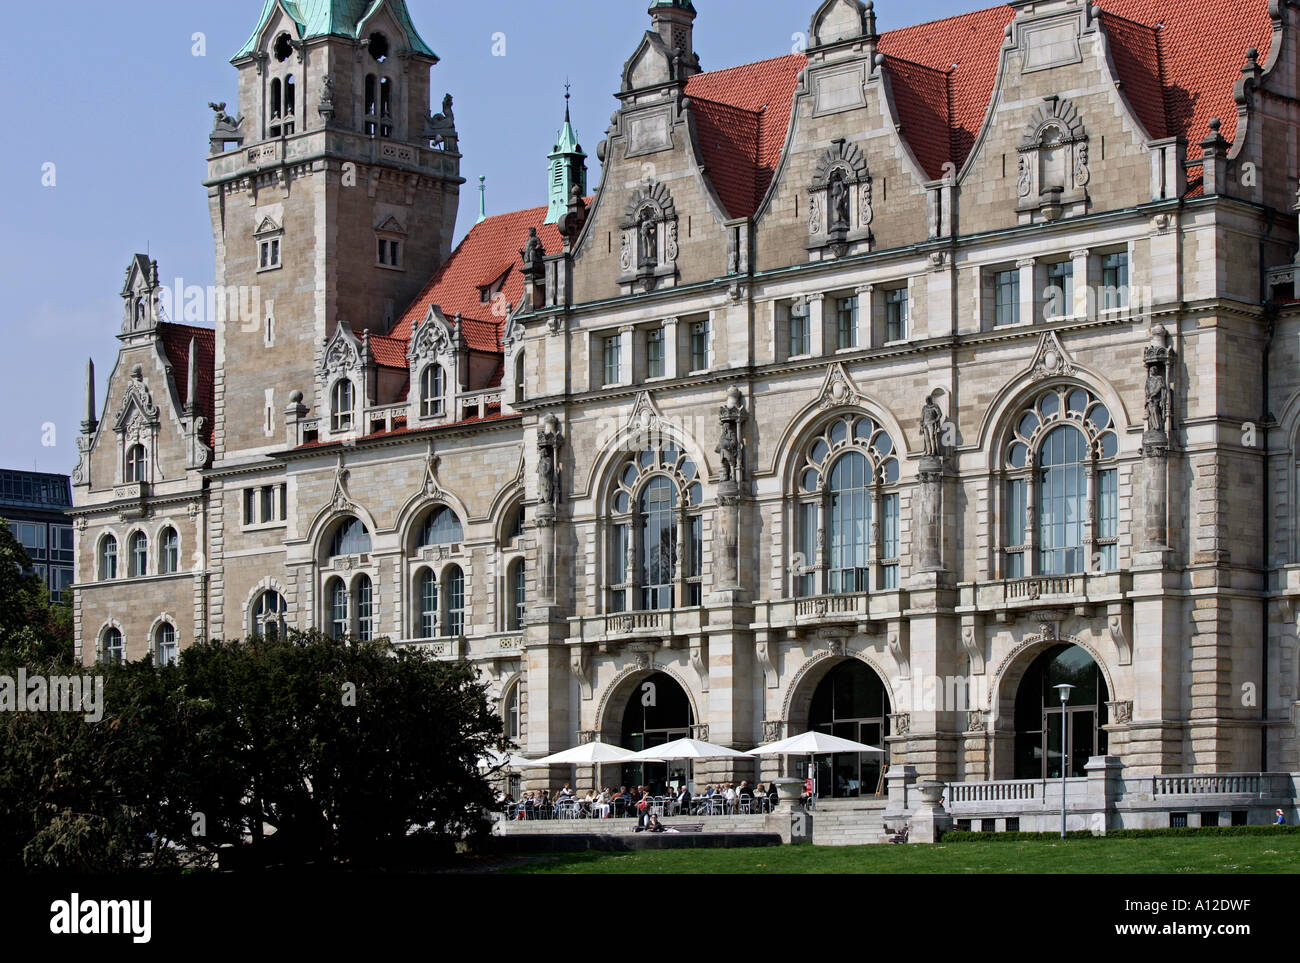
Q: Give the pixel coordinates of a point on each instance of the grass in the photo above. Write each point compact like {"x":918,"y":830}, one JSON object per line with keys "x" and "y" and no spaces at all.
{"x":1226,"y":855}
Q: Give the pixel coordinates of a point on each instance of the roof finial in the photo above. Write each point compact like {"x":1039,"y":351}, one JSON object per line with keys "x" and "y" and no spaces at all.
{"x":482,"y":199}
{"x":566,"y":100}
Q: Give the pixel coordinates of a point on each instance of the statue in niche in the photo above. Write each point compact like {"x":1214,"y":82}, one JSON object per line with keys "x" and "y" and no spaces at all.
{"x":1157,"y":397}
{"x":732,"y":416}
{"x":548,"y":441}
{"x":932,"y":428}
{"x":648,"y":229}
{"x":839,"y":198}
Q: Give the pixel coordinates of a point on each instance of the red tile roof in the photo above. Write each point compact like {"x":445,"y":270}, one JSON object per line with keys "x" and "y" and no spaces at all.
{"x":388,"y":351}
{"x":742,"y":116}
{"x":400,"y":428}
{"x":176,"y":346}
{"x":489,"y":252}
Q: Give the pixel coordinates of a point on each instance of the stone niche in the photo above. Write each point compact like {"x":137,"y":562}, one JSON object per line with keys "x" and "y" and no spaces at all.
{"x":1052,"y":175}
{"x":840,"y":205}
{"x":648,"y":246}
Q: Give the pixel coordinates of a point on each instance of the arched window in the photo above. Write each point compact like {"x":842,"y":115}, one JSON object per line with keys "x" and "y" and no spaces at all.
{"x":432,"y":391}
{"x":385,"y":107}
{"x":1039,"y":714}
{"x":453,"y":622}
{"x":519,"y":374}
{"x":169,"y":552}
{"x":114,"y":649}
{"x":850,"y":702}
{"x":515,"y":529}
{"x":350,"y":538}
{"x":135,"y":464}
{"x":511,"y":713}
{"x":371,"y":104}
{"x":364,"y":593}
{"x":164,"y":644}
{"x":655,"y":539}
{"x":276,"y":109}
{"x":518,"y":597}
{"x":1061,"y":493}
{"x":268,"y":614}
{"x":342,"y":401}
{"x":442,"y":527}
{"x":336,"y":594}
{"x":846,"y":511}
{"x":108,"y":557}
{"x":428,"y":590}
{"x":139,"y":555}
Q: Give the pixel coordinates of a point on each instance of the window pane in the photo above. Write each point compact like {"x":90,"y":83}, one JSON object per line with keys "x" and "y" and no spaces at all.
{"x":850,"y":523}
{"x":1061,"y":506}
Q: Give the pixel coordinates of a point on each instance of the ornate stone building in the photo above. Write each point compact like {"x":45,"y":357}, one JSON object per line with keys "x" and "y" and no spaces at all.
{"x":878,"y":388}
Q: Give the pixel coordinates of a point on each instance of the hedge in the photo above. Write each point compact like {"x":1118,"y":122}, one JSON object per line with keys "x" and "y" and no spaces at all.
{"x":963,"y":836}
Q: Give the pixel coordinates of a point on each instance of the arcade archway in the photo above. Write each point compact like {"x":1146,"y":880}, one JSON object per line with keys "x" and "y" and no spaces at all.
{"x":1039,"y":714}
{"x":658,"y":711}
{"x":851,"y":702}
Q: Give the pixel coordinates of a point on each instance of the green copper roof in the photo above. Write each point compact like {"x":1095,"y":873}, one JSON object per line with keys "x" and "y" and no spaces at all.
{"x":334,"y":18}
{"x":568,"y":167}
{"x":679,"y":4}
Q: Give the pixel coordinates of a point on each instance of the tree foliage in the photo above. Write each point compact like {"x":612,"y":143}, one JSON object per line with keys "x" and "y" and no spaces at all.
{"x":291,"y":750}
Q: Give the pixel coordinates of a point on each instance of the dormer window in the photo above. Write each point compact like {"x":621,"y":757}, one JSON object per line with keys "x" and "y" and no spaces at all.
{"x":135,"y":465}
{"x":390,"y":253}
{"x":433,"y":389}
{"x":342,"y":400}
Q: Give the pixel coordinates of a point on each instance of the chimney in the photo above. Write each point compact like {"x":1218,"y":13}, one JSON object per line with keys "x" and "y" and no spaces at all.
{"x":672,"y":20}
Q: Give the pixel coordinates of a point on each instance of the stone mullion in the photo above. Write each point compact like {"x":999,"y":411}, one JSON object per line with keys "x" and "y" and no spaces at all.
{"x":1090,"y":516}
{"x":1031,"y":522}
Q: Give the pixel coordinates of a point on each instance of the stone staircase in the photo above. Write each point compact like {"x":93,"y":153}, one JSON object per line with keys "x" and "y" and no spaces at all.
{"x":849,"y":823}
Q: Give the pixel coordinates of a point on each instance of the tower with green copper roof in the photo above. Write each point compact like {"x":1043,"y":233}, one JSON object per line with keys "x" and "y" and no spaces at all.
{"x":568,"y":168}
{"x":333,"y":187}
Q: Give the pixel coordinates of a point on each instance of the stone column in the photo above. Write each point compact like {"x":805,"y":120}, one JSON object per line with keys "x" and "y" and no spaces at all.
{"x":929,"y":515}
{"x":1155,"y":445}
{"x":549,"y":441}
{"x":1081,"y":288}
{"x":816,"y":324}
{"x":1028,"y":290}
{"x":672,"y":349}
{"x":732,"y":416}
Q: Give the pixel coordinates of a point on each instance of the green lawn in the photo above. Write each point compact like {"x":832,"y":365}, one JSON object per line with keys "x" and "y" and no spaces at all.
{"x":1225,"y":854}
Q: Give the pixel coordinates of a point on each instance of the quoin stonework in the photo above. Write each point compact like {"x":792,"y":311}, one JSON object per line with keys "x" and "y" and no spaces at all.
{"x":877,"y":388}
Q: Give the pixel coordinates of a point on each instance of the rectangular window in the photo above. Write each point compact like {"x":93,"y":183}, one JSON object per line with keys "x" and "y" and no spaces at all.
{"x":800,"y":339}
{"x":1015,"y":530}
{"x":268,"y":507}
{"x":456,"y":606}
{"x":1114,"y":281}
{"x":613,"y":359}
{"x":1108,"y":520}
{"x":250,"y":505}
{"x":1006,"y":298}
{"x":269,"y":254}
{"x":700,"y":346}
{"x":60,"y":583}
{"x":889,"y":541}
{"x":695,"y":560}
{"x":1060,"y":290}
{"x":654,"y":353}
{"x":806,"y":554}
{"x":61,"y":543}
{"x":896,"y":315}
{"x":284,"y":502}
{"x":617,"y":568}
{"x":846,"y":323}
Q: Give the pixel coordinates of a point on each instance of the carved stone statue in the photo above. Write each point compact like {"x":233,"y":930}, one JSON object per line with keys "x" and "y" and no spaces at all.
{"x":1023,"y":184}
{"x":932,"y":428}
{"x":649,"y":233}
{"x":732,"y":416}
{"x":1156,"y":358}
{"x":548,"y":443}
{"x":441,"y":128}
{"x":533,"y":253}
{"x":839,"y":197}
{"x":225,"y":129}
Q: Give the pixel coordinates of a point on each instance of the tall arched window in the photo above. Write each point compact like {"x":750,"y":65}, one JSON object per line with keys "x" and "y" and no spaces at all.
{"x":135,"y":464}
{"x":428,"y":590}
{"x":655,"y":543}
{"x":442,"y":527}
{"x":342,"y":402}
{"x":511,"y":713}
{"x":350,"y":538}
{"x":432,"y":391}
{"x":518,"y":598}
{"x":846,"y":510}
{"x":1062,"y":491}
{"x":371,"y":104}
{"x":364,"y":594}
{"x":337,"y":595}
{"x":169,"y":552}
{"x":108,"y":557}
{"x":454,"y":600}
{"x":268,"y":614}
{"x":164,"y":644}
{"x":114,"y":649}
{"x":139,"y":555}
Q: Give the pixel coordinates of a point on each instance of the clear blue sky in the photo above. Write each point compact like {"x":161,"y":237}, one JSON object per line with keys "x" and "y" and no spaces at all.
{"x":114,"y":97}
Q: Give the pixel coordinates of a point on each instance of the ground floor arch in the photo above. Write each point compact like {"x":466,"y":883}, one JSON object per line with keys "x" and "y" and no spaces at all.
{"x":847,"y":698}
{"x":1040,"y":718}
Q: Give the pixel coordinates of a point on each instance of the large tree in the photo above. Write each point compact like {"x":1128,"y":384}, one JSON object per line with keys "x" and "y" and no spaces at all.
{"x":30,"y":627}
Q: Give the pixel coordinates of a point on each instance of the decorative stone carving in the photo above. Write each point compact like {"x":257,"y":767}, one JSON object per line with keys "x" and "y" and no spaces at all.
{"x":700,"y":732}
{"x":1156,"y":358}
{"x":1052,"y":168}
{"x":976,"y":721}
{"x":587,"y":736}
{"x":840,"y":208}
{"x":580,"y":667}
{"x":440,"y":129}
{"x":932,"y":428}
{"x":549,"y":440}
{"x":341,"y":500}
{"x":1051,"y":359}
{"x":732,"y":416}
{"x":430,"y":487}
{"x":972,"y":645}
{"x":838,"y":390}
{"x":773,"y":730}
{"x":700,"y":662}
{"x":765,"y":652}
{"x":625,"y":253}
{"x":648,"y":248}
{"x":137,"y":410}
{"x":225,"y":129}
{"x":1121,"y":713}
{"x":326,"y":106}
{"x":532,"y":254}
{"x":900,"y":723}
{"x":898,"y":648}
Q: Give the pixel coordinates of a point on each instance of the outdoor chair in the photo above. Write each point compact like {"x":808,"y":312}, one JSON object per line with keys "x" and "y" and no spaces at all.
{"x":745,"y":804}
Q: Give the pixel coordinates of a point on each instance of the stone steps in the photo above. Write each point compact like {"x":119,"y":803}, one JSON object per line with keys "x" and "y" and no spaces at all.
{"x":849,"y":827}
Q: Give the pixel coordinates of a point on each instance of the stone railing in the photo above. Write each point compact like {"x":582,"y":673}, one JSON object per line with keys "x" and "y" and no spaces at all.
{"x":973,"y":792}
{"x":1265,"y":784}
{"x":828,"y":609}
{"x":822,"y":605}
{"x":1045,"y":586}
{"x":656,"y":623}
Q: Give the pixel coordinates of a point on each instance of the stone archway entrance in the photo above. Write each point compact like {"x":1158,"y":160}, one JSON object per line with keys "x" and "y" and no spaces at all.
{"x":1039,"y":715}
{"x":658,"y":711}
{"x":850,"y":701}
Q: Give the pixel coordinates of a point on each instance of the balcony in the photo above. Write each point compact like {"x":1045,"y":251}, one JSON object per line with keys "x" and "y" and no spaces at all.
{"x":1046,"y":591}
{"x":828,"y":610}
{"x":630,"y":626}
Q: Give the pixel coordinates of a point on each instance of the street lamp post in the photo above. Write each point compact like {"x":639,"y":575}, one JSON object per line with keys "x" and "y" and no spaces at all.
{"x":1064,"y":689}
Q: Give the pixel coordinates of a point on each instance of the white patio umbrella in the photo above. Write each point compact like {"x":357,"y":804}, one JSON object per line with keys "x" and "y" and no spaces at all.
{"x":589,"y":754}
{"x":498,"y":760}
{"x":690,"y":749}
{"x":812,"y":744}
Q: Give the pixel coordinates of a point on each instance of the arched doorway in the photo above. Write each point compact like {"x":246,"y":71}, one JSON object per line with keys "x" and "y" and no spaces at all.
{"x":1039,"y":714}
{"x":850,"y":702}
{"x":658,"y":711}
